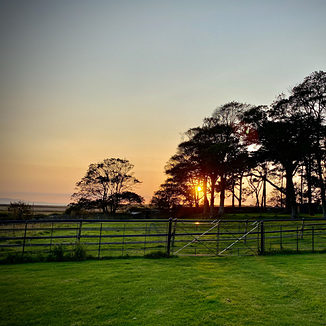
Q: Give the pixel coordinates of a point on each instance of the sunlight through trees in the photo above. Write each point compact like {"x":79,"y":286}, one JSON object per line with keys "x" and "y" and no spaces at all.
{"x":241,"y":148}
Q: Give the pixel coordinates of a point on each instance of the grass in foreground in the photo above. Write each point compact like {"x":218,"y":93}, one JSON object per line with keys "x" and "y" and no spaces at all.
{"x":264,"y":290}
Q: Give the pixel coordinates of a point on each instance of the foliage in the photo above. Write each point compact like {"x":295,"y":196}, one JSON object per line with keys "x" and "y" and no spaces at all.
{"x":5,"y":215}
{"x":106,"y":185}
{"x":158,"y":254}
{"x":57,"y":253}
{"x":211,"y":157}
{"x":276,"y":200}
{"x":79,"y":252}
{"x":263,"y":144}
{"x":20,"y":210}
{"x":172,"y":195}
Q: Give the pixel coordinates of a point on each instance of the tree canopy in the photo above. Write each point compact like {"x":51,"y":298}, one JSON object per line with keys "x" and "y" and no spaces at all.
{"x":107,"y":185}
{"x":262,"y":144}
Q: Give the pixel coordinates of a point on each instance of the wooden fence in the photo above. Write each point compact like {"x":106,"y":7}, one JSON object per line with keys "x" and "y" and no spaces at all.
{"x":111,"y":238}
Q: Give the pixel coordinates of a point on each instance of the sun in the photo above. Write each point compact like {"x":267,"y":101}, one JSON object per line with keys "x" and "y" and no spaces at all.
{"x":198,"y":188}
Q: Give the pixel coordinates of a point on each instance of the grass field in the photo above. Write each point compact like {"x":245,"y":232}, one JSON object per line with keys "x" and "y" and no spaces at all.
{"x":37,"y":239}
{"x":259,"y":290}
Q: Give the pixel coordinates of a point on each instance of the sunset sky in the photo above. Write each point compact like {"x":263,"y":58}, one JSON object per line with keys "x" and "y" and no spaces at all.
{"x":86,"y":80}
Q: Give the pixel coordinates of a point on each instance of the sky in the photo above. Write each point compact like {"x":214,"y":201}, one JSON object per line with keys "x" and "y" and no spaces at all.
{"x":82,"y":81}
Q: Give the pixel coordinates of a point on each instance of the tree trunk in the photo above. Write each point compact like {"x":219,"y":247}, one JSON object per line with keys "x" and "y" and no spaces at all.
{"x":281,"y":192}
{"x":319,"y":168}
{"x":233,"y":195}
{"x":321,"y":184}
{"x":307,"y":162}
{"x":264,"y":195}
{"x":222,"y":195}
{"x":291,"y":205}
{"x":205,"y":196}
{"x":213,"y":181}
{"x":240,"y":190}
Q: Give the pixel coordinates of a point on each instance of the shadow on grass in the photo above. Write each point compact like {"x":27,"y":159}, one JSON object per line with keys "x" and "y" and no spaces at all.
{"x":60,"y":254}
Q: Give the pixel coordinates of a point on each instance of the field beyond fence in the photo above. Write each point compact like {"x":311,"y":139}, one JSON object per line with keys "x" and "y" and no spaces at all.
{"x":112,"y":238}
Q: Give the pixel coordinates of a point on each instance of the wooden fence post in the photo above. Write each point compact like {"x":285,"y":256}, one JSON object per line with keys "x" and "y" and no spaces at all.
{"x":262,"y":238}
{"x":302,"y":229}
{"x":169,"y":237}
{"x":99,"y":243}
{"x":24,"y":239}
{"x":173,"y":233}
{"x":51,"y":236}
{"x":246,"y":230}
{"x":297,"y":238}
{"x":79,"y":231}
{"x":218,"y":239}
{"x":145,"y":239}
{"x":123,"y":239}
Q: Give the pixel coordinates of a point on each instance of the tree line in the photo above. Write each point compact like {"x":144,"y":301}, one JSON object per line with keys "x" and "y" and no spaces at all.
{"x":241,"y":148}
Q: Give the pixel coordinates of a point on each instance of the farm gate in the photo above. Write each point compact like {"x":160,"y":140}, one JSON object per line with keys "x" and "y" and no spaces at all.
{"x":112,"y":238}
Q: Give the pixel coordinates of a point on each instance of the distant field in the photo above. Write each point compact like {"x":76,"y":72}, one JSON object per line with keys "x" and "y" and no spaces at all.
{"x":40,"y":209}
{"x":263,"y":290}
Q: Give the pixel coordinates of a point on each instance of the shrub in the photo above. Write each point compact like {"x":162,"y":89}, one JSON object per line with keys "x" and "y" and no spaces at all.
{"x":79,"y":252}
{"x":157,"y":254}
{"x":12,"y":258}
{"x":57,"y":253}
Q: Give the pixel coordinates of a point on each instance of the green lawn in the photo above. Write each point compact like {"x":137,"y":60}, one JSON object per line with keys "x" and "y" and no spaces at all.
{"x":259,"y":290}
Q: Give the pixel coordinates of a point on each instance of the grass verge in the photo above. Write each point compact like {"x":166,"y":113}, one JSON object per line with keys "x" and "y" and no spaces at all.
{"x":263,"y":290}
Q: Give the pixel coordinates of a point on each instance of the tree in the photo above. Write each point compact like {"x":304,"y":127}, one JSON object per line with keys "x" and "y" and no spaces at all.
{"x":275,"y":199}
{"x":172,"y":195}
{"x":189,"y":166}
{"x":212,"y":156}
{"x":309,"y":98}
{"x":20,"y":210}
{"x":281,"y":135}
{"x":107,"y":185}
{"x":280,"y":139}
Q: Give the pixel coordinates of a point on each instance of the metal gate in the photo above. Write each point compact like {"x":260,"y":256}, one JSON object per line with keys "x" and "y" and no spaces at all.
{"x":215,"y":238}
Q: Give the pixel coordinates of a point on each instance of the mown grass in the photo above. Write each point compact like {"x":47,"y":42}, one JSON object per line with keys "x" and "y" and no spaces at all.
{"x":260,"y":290}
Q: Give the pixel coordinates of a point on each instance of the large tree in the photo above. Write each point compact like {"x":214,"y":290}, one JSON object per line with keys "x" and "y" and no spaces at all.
{"x":280,"y":138}
{"x":188,"y":166}
{"x":211,"y":154}
{"x":107,"y":185}
{"x":287,"y":136}
{"x":309,"y":100}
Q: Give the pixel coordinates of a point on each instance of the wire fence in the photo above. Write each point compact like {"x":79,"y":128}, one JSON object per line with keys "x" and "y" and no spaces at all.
{"x":112,"y":238}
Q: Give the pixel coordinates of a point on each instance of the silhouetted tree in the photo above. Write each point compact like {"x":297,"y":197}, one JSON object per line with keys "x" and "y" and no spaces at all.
{"x":309,"y":99}
{"x":172,"y":195}
{"x":211,"y":154}
{"x":280,"y":137}
{"x":20,"y":210}
{"x":275,"y":199}
{"x":189,"y":166}
{"x":107,"y":185}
